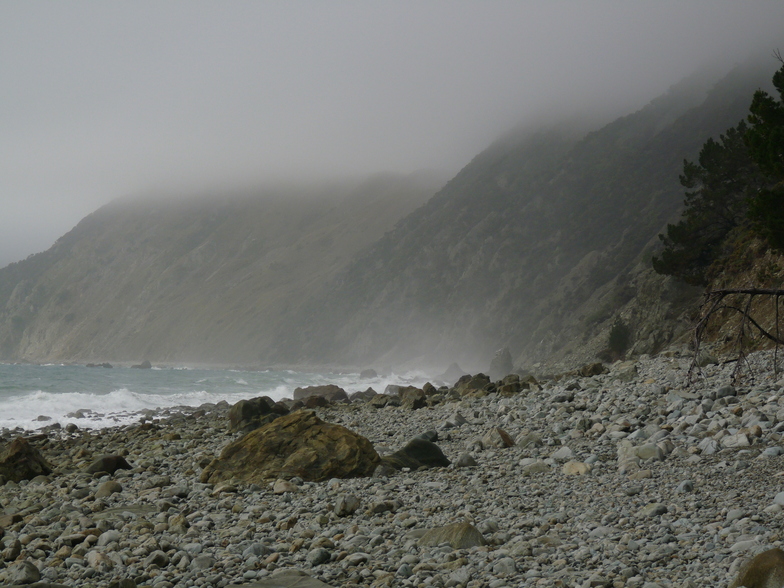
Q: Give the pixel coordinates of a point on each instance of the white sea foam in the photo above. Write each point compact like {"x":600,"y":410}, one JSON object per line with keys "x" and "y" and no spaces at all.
{"x":116,"y":397}
{"x":119,"y":407}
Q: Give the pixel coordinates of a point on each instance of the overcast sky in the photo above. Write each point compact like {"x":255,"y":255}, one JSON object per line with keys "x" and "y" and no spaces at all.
{"x":104,"y":99}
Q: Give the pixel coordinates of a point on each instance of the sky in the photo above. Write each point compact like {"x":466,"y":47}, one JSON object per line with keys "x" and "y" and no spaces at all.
{"x":100,"y":100}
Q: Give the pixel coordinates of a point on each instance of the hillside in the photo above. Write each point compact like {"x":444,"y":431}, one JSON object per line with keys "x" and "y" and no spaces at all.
{"x":538,"y":244}
{"x":201,"y":279}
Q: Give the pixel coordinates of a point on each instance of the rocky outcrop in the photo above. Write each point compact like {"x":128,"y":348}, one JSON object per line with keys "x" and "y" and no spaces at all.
{"x":299,"y":444}
{"x":501,"y":365}
{"x":145,"y":365}
{"x":21,"y":461}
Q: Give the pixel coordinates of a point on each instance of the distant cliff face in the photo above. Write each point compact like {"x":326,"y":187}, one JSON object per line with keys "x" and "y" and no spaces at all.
{"x":539,"y":244}
{"x":192,"y":280}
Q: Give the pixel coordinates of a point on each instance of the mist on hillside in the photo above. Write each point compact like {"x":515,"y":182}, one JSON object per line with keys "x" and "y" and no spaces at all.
{"x":106,"y":100}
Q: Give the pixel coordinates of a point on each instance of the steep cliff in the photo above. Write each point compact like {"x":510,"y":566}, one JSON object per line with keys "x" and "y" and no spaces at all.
{"x":199,"y":279}
{"x":536,"y":245}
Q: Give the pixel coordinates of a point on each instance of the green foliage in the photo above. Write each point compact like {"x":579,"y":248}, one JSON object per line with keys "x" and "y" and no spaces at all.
{"x":738,"y":181}
{"x":620,"y":337}
{"x":766,"y":210}
{"x":765,"y":136}
{"x":765,"y":140}
{"x":719,"y":187}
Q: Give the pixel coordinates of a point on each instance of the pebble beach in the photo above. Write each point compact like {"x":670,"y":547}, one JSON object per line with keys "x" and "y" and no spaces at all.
{"x":633,"y":478}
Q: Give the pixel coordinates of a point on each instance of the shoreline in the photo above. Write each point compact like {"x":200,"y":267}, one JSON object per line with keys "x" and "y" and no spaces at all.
{"x":593,"y":491}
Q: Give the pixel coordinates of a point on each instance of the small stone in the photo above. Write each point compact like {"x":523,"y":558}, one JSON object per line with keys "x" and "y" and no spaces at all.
{"x":283,"y":486}
{"x":318,"y":556}
{"x":576,"y":468}
{"x":346,"y":504}
{"x":653,"y":509}
{"x":108,"y":488}
{"x":562,"y":454}
{"x":465,"y":460}
{"x":23,"y":572}
{"x":685,"y":487}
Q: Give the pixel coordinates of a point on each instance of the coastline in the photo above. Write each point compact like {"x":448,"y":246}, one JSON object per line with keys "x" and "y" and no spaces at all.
{"x":639,"y":432}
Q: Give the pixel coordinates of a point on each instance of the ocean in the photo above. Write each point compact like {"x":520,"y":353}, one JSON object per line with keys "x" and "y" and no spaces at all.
{"x":34,"y":396}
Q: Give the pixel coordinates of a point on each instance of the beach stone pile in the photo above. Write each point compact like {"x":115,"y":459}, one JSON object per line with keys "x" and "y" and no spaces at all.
{"x":617,"y":476}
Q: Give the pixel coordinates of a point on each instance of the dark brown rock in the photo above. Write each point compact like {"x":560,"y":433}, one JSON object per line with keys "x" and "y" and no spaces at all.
{"x":299,"y":444}
{"x":247,"y":415}
{"x":331,"y":392}
{"x":416,"y":454}
{"x":312,"y":402}
{"x":593,"y":369}
{"x":21,"y":461}
{"x":469,"y":384}
{"x":413,"y":398}
{"x":108,"y":464}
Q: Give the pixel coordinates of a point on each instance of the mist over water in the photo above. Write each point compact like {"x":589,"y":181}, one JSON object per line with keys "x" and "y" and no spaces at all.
{"x":118,"y":396}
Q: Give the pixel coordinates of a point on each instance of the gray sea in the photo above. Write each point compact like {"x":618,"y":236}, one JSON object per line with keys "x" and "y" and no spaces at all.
{"x":34,"y":396}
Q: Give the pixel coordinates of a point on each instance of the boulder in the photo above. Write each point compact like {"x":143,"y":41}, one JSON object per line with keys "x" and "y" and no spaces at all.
{"x":331,"y":392}
{"x":501,"y":364}
{"x":763,"y":570}
{"x":593,"y":369}
{"x":298,"y":444}
{"x":145,"y":365}
{"x":468,"y":383}
{"x":368,"y":374}
{"x":416,"y":454}
{"x":108,"y":464}
{"x":21,"y":461}
{"x":459,"y":536}
{"x":498,"y":438}
{"x":413,"y":398}
{"x":360,"y":396}
{"x":23,"y":572}
{"x":108,"y":488}
{"x":247,"y":415}
{"x":312,"y":402}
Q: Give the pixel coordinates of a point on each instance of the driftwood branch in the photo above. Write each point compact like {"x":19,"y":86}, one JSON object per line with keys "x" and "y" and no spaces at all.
{"x":715,"y":302}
